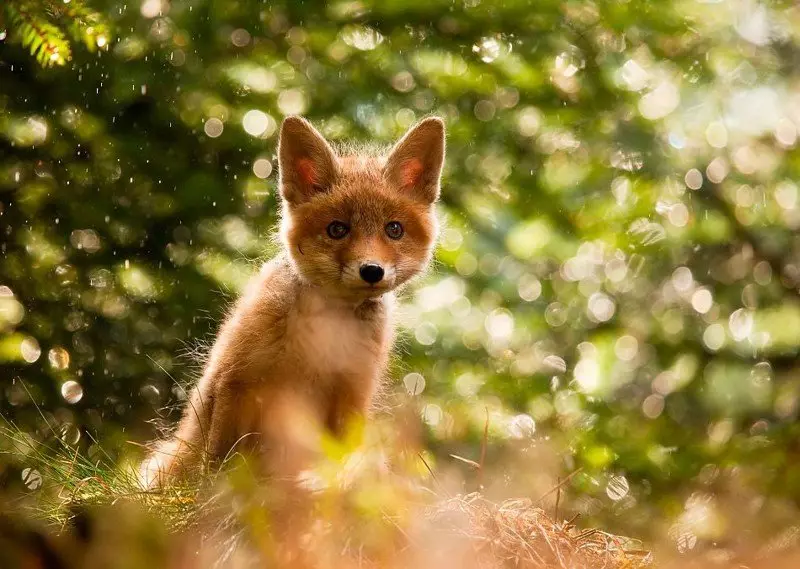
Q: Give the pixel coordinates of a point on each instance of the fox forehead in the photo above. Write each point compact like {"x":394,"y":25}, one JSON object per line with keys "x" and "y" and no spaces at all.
{"x":361,"y":193}
{"x":369,"y":164}
{"x":359,"y":172}
{"x":362,"y":202}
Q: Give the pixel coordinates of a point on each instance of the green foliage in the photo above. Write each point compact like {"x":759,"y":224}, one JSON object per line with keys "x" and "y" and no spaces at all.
{"x":617,"y":279}
{"x":68,"y":481}
{"x":39,"y":26}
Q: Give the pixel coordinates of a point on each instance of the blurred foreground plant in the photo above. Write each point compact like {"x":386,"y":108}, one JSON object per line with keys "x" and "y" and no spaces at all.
{"x":350,"y":510}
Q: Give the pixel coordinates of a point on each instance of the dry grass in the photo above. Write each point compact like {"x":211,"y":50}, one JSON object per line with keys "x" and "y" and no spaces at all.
{"x":230,"y":528}
{"x":354,"y":511}
{"x":515,"y":533}
{"x":463,"y":532}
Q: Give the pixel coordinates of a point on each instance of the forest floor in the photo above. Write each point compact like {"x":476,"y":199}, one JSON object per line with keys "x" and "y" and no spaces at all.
{"x":71,"y":511}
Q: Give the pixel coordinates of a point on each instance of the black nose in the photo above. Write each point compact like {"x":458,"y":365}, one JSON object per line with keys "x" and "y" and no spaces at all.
{"x":371,"y":273}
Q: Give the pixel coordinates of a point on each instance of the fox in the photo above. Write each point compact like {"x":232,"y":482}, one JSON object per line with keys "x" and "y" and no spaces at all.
{"x":305,"y":348}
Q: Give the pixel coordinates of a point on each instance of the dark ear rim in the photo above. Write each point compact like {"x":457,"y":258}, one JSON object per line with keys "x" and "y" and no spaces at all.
{"x":425,"y":141}
{"x":297,"y":132}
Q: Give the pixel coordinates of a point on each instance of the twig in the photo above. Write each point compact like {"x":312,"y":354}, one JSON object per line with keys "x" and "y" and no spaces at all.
{"x":558,"y":499}
{"x":559,"y":485}
{"x":433,"y":475}
{"x":482,"y":461}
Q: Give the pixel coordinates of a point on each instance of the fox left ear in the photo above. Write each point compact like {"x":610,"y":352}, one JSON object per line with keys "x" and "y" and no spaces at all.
{"x":415,"y":163}
{"x":307,"y":163}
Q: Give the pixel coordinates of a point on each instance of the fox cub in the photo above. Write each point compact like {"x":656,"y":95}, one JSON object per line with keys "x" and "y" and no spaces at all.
{"x":305,"y":347}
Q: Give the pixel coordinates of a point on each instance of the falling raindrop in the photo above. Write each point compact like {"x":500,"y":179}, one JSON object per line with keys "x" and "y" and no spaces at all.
{"x":30,"y":350}
{"x":31,"y":478}
{"x":426,"y":333}
{"x":529,"y":288}
{"x":488,"y":49}
{"x":213,"y":127}
{"x":414,"y":383}
{"x":256,"y":123}
{"x":70,"y":434}
{"x":432,"y":414}
{"x":601,"y":307}
{"x":362,"y":38}
{"x":569,"y":62}
{"x":150,"y":394}
{"x":522,"y":426}
{"x":617,"y":488}
{"x":58,"y":358}
{"x":740,"y":324}
{"x":555,"y":363}
{"x":71,"y":391}
{"x":761,"y":373}
{"x":686,"y":542}
{"x":262,"y":168}
{"x":555,"y":314}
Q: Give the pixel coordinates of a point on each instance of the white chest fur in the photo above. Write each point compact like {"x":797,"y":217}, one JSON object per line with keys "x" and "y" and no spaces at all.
{"x":328,"y":337}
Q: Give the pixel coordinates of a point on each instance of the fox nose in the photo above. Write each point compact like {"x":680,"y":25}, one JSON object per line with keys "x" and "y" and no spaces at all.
{"x":371,"y":273}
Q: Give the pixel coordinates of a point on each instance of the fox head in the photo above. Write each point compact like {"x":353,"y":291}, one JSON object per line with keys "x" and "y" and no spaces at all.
{"x":359,"y":225}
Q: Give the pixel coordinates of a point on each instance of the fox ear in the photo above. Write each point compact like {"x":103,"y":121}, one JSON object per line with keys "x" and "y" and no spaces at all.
{"x":307,"y":163}
{"x":415,"y":163}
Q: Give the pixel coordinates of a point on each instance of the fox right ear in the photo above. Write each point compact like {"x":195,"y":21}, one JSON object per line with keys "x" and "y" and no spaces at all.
{"x":306,"y":162}
{"x":415,"y":163}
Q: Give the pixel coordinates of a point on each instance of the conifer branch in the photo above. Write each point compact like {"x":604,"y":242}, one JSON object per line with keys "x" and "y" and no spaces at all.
{"x":31,"y":28}
{"x":43,"y":26}
{"x":84,"y":24}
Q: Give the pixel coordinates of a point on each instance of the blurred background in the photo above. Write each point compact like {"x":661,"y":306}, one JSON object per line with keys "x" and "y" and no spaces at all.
{"x":616,"y":296}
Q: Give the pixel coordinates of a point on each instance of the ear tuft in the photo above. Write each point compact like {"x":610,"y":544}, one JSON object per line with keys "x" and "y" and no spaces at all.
{"x":307,"y":163}
{"x":415,"y":163}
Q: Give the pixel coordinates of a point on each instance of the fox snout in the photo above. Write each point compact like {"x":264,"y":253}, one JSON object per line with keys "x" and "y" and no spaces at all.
{"x":371,"y":273}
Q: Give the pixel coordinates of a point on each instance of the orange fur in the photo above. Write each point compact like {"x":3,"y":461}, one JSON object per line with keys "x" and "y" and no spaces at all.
{"x":306,"y":346}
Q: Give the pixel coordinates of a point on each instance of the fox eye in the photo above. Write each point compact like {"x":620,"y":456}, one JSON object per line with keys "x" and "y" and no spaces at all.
{"x":394,"y":230}
{"x":337,"y":230}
